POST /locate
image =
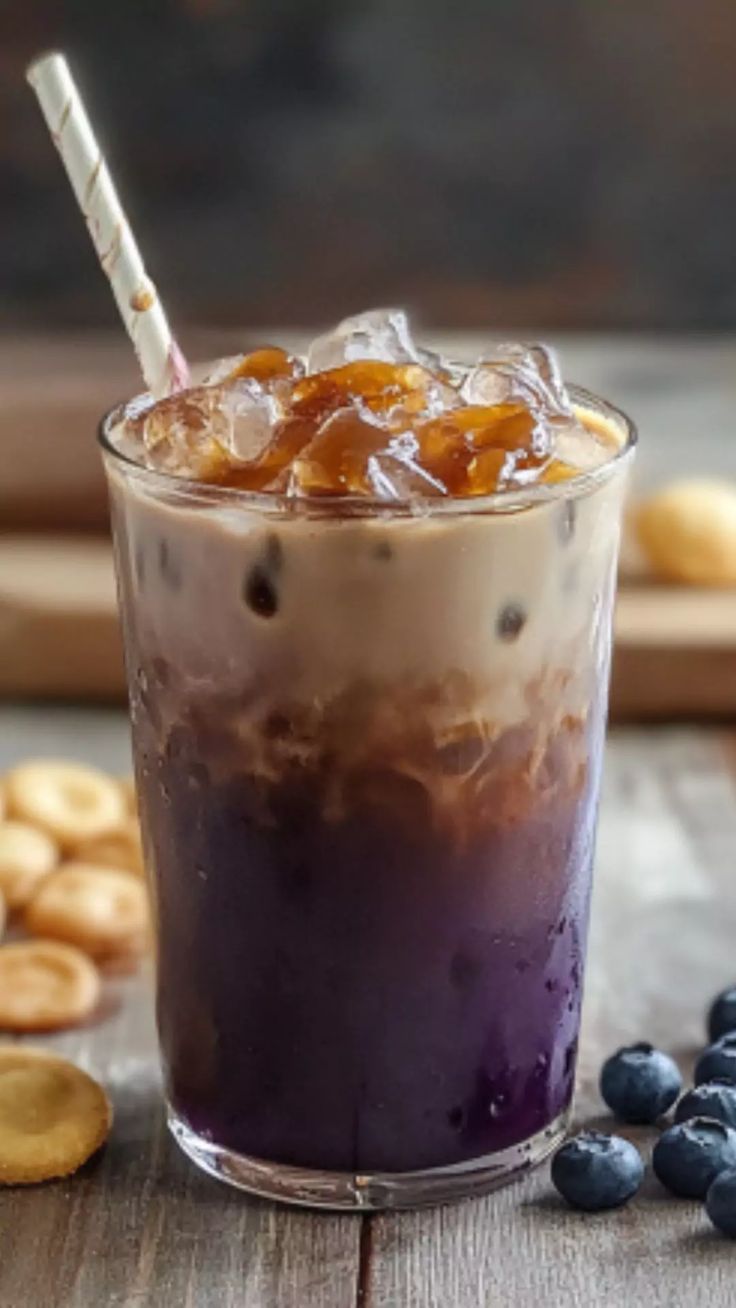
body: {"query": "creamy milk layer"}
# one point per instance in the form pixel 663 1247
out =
pixel 504 600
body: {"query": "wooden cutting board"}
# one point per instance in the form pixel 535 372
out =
pixel 675 648
pixel 59 632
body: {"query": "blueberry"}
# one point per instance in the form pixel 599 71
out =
pixel 722 1014
pixel 719 1060
pixel 716 1099
pixel 720 1202
pixel 639 1083
pixel 595 1171
pixel 690 1155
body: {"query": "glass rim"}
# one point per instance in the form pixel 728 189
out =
pixel 353 506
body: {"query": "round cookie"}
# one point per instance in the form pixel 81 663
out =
pixel 120 848
pixel 102 910
pixel 45 986
pixel 71 802
pixel 53 1116
pixel 27 855
pixel 687 532
pixel 130 794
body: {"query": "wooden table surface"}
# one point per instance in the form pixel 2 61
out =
pixel 140 1226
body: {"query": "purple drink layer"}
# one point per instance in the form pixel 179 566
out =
pixel 380 988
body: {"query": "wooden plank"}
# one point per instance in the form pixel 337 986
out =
pixel 663 618
pixel 662 943
pixel 140 1225
pixel 59 629
pixel 675 652
pixel 658 684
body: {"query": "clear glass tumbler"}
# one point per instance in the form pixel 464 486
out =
pixel 368 745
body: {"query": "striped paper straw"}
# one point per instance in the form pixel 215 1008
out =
pixel 162 363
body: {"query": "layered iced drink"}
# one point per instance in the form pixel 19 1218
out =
pixel 367 603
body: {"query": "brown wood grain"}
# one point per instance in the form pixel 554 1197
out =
pixel 59 628
pixel 140 1228
pixel 675 652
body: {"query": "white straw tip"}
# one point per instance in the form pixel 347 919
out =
pixel 71 131
pixel 43 62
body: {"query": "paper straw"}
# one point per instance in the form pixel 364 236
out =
pixel 162 363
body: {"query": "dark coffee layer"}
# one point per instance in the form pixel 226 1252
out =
pixel 360 991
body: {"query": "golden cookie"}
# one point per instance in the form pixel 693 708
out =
pixel 687 532
pixel 27 855
pixel 102 910
pixel 130 794
pixel 120 848
pixel 45 986
pixel 53 1116
pixel 68 800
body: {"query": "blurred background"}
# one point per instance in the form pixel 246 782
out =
pixel 564 171
pixel 566 164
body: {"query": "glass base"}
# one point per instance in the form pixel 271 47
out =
pixel 347 1191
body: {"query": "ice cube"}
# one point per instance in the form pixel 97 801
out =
pixel 432 397
pixel 525 373
pixel 376 415
pixel 352 454
pixel 195 432
pixel 579 447
pixel 222 369
pixel 187 433
pixel 397 474
pixel 396 394
pixel 382 334
pixel 335 461
pixel 253 413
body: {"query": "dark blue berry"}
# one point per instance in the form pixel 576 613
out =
pixel 718 1061
pixel 594 1171
pixel 720 1202
pixel 690 1155
pixel 639 1083
pixel 722 1014
pixel 715 1099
